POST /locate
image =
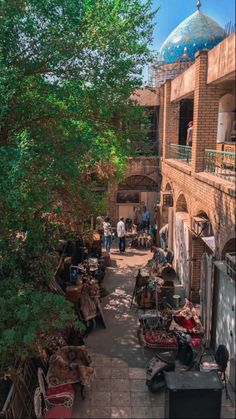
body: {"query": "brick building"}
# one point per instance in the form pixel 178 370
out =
pixel 142 182
pixel 195 80
pixel 201 182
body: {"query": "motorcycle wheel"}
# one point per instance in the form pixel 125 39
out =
pixel 156 383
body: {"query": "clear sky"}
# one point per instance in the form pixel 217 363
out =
pixel 173 12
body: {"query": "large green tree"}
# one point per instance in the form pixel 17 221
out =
pixel 67 69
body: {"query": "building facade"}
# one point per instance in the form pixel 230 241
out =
pixel 201 182
pixel 142 183
pixel 195 185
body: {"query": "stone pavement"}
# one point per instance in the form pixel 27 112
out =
pixel 119 390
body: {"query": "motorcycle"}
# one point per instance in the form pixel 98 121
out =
pixel 167 361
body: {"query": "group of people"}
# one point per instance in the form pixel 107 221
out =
pixel 121 230
pixel 144 215
pixel 107 229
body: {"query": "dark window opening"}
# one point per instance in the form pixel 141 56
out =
pixel 185 116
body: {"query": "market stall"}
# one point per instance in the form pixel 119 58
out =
pixel 156 328
pixel 80 275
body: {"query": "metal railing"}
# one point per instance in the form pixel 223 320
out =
pixel 181 152
pixel 221 164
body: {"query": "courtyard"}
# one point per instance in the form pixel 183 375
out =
pixel 117 119
pixel 119 389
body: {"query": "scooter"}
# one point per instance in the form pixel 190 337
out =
pixel 166 361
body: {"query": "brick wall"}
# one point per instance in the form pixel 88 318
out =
pixel 200 196
pixel 205 114
pixel 161 119
pixel 170 120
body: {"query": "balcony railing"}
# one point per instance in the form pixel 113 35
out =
pixel 221 164
pixel 181 152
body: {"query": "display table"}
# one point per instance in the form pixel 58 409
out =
pixel 58 412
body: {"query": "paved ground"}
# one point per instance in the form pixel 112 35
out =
pixel 119 389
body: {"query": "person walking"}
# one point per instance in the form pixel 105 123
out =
pixel 121 234
pixel 107 234
pixel 145 218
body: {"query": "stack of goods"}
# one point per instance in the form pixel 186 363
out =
pixel 144 239
pixel 152 290
pixel 80 275
pixel 153 330
pixel 157 329
pixel 70 364
pixel 141 239
pixel 87 303
pixel 143 293
pixel 78 258
pixel 86 296
pixel 188 321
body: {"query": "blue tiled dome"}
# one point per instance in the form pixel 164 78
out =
pixel 197 32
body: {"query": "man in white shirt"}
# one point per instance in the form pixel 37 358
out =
pixel 121 234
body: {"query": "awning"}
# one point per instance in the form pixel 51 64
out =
pixel 210 242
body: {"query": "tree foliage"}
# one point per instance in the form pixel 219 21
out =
pixel 29 316
pixel 67 69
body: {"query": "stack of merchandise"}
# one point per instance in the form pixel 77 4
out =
pixel 157 328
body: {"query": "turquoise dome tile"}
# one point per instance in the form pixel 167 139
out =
pixel 197 32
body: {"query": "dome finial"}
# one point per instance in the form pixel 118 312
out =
pixel 199 4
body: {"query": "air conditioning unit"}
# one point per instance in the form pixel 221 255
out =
pixel 201 226
pixel 230 259
pixel 167 199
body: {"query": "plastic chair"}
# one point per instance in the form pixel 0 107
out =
pixel 60 395
pixel 219 364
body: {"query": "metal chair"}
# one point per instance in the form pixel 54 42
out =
pixel 53 396
pixel 219 364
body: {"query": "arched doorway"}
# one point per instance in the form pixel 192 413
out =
pixel 135 192
pixel 181 204
pixel 182 242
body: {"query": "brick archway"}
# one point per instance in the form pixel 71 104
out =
pixel 168 187
pixel 181 204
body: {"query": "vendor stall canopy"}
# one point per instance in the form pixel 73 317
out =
pixel 197 32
